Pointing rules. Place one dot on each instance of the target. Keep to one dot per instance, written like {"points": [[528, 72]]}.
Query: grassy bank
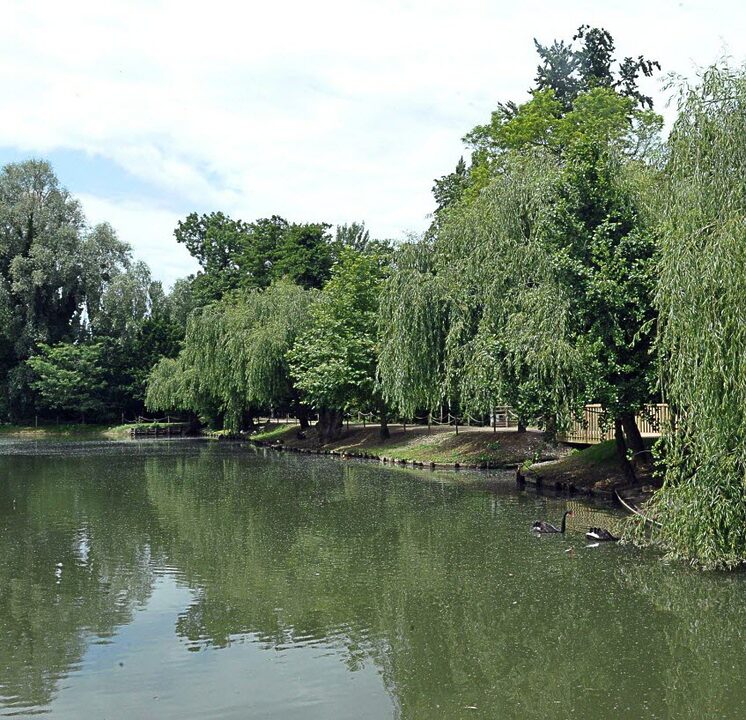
{"points": [[596, 468], [76, 430], [89, 431], [470, 447]]}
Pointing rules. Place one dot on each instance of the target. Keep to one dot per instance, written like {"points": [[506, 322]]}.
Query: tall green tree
{"points": [[54, 270], [412, 326], [233, 359], [236, 255], [305, 255], [541, 270], [701, 288], [69, 379], [575, 82], [334, 360]]}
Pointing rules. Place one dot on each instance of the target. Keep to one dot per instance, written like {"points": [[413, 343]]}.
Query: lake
{"points": [[189, 579]]}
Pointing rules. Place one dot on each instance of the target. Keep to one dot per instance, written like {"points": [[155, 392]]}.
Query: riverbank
{"points": [[442, 446], [542, 465], [594, 470], [83, 431]]}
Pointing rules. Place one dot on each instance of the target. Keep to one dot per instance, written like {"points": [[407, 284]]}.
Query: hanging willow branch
{"points": [[702, 338], [234, 355], [412, 327]]}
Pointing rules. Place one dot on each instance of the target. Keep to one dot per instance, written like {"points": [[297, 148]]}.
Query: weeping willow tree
{"points": [[412, 327], [475, 317], [170, 387], [508, 341], [233, 357], [537, 290], [702, 337]]}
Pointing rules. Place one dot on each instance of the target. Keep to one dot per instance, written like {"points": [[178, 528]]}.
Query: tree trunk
{"points": [[621, 451], [330, 424], [521, 425], [384, 433], [301, 412], [550, 427], [247, 420], [632, 433], [641, 455]]}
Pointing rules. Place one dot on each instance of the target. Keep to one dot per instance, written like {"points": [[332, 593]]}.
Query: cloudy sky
{"points": [[318, 111]]}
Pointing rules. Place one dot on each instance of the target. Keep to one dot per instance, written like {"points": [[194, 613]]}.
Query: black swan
{"points": [[541, 526], [600, 535]]}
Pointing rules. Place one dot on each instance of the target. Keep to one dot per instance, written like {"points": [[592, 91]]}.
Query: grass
{"points": [[277, 432], [471, 446], [64, 430], [77, 430], [596, 466]]}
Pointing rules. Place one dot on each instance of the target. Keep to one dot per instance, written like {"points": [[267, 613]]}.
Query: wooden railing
{"points": [[596, 426]]}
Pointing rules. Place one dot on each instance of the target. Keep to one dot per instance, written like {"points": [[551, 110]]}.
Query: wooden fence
{"points": [[596, 426]]}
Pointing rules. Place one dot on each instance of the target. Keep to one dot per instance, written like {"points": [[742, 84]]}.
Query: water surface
{"points": [[178, 579]]}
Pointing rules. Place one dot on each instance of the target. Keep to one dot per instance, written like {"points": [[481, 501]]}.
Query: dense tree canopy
{"points": [[536, 282], [62, 284], [234, 254], [233, 359], [700, 296], [334, 360]]}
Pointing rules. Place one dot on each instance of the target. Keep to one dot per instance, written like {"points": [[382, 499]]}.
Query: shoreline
{"points": [[540, 466], [593, 472]]}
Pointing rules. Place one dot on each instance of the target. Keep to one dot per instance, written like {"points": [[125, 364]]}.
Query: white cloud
{"points": [[144, 228], [332, 110]]}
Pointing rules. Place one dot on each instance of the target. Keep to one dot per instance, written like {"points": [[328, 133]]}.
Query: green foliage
{"points": [[598, 115], [233, 355], [334, 359], [60, 281], [603, 248], [508, 340], [537, 294], [305, 255], [69, 378], [125, 300], [170, 386], [701, 290], [181, 301], [355, 236], [578, 98], [570, 71], [449, 189], [542, 251], [235, 255], [412, 329], [41, 238]]}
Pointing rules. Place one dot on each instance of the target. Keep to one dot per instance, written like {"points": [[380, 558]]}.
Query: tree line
{"points": [[576, 256]]}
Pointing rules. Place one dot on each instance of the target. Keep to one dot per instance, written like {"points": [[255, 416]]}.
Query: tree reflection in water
{"points": [[437, 586]]}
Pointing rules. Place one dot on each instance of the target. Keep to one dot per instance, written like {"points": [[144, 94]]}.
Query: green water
{"points": [[193, 580]]}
